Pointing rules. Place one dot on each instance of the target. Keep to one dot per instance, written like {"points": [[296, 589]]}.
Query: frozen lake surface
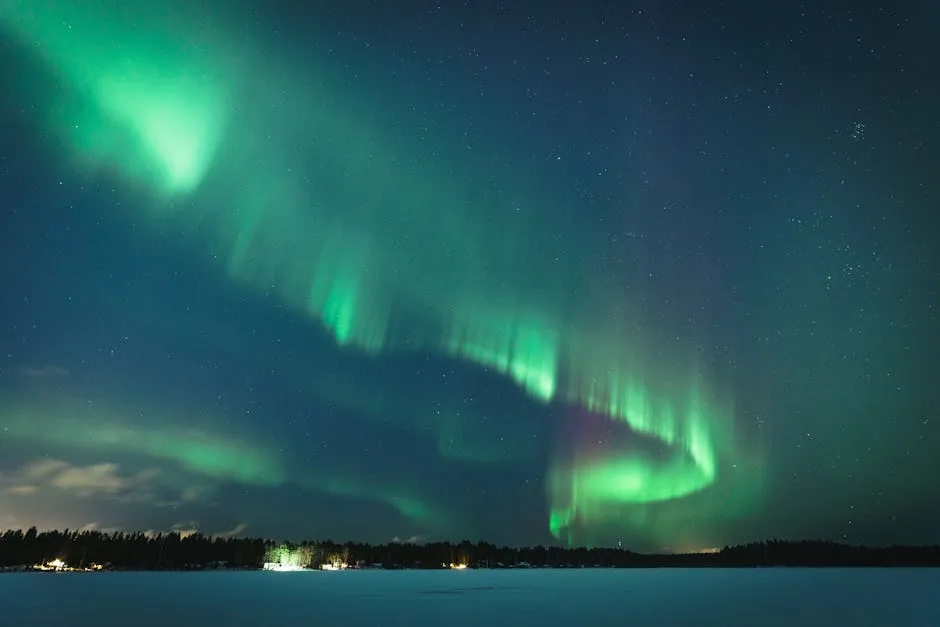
{"points": [[542, 598]]}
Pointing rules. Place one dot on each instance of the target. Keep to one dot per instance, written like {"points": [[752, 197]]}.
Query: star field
{"points": [[654, 274]]}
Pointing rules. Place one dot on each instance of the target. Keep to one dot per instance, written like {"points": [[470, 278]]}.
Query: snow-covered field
{"points": [[541, 598]]}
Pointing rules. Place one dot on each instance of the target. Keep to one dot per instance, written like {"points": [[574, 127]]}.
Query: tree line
{"points": [[173, 551]]}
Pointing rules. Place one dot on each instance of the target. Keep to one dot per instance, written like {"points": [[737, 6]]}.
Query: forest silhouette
{"points": [[25, 550]]}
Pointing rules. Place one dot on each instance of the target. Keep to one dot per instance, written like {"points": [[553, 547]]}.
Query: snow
{"points": [[542, 598]]}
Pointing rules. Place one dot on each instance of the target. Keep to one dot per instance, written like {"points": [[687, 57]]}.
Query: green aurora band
{"points": [[158, 121], [102, 429], [212, 455], [347, 216]]}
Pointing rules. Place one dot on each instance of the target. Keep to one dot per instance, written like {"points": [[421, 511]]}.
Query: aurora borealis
{"points": [[587, 276]]}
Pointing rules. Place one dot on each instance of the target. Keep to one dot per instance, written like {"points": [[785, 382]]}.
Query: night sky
{"points": [[582, 273]]}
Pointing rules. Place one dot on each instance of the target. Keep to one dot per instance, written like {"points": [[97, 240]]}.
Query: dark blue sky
{"points": [[533, 273]]}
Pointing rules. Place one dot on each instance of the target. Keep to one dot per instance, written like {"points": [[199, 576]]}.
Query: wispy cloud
{"points": [[234, 532], [94, 526], [22, 489], [185, 529], [89, 480], [190, 494], [82, 481], [44, 372]]}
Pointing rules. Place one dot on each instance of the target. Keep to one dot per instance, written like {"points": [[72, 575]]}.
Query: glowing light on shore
{"points": [[334, 566], [56, 565], [281, 568]]}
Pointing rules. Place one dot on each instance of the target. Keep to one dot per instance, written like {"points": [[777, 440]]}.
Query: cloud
{"points": [[82, 481], [234, 532], [190, 494], [24, 488], [43, 469], [44, 372], [88, 480], [186, 529], [94, 526]]}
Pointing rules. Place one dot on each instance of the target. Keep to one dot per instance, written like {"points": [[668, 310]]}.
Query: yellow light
{"points": [[458, 566], [281, 568], [333, 566]]}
